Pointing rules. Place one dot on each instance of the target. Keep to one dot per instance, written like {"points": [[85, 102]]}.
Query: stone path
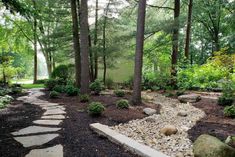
{"points": [[44, 129]]}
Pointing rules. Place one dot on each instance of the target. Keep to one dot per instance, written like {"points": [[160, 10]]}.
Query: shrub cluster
{"points": [[84, 98], [96, 87], [109, 83], [53, 94], [5, 100], [71, 90], [229, 111], [122, 104], [119, 93], [95, 108], [51, 83]]}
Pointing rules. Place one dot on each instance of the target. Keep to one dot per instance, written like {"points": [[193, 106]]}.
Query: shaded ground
{"points": [[215, 123], [79, 140]]}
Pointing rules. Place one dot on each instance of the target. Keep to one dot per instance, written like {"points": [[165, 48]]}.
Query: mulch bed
{"points": [[77, 137], [215, 123]]}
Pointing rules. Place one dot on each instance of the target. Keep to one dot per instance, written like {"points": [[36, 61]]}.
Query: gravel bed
{"points": [[147, 130]]}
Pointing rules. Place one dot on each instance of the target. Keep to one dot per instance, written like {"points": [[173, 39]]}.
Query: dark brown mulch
{"points": [[79, 141], [215, 123], [17, 116]]}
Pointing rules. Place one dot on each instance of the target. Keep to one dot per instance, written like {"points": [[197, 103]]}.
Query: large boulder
{"points": [[169, 130], [189, 98], [209, 146], [149, 111]]}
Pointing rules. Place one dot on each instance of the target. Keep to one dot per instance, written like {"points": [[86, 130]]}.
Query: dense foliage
{"points": [[95, 108]]}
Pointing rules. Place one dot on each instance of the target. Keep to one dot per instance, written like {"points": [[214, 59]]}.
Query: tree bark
{"points": [[175, 43], [85, 79], [136, 97], [95, 41], [76, 43], [91, 57], [35, 45], [188, 30]]}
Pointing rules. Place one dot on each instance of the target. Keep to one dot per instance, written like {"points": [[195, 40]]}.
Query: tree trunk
{"points": [[76, 45], [35, 45], [136, 98], [91, 57], [85, 79], [175, 43], [188, 30], [95, 41]]}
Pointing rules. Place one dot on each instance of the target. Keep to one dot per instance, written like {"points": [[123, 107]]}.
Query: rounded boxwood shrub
{"points": [[109, 83], [59, 88], [225, 101], [53, 94], [96, 87], [119, 93], [95, 108], [71, 90], [84, 98], [122, 104], [229, 111]]}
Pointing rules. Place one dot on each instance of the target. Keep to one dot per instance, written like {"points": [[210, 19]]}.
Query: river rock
{"points": [[149, 111], [230, 141], [182, 114], [191, 98], [169, 130], [209, 146]]}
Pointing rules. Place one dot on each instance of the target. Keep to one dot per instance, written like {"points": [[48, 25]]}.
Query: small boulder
{"points": [[182, 114], [149, 111], [191, 98], [230, 141], [209, 146], [169, 130]]}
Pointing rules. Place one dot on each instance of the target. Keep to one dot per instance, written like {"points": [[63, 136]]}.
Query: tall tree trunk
{"points": [[136, 98], [188, 30], [95, 40], [85, 79], [175, 43], [76, 45], [91, 57], [35, 45]]}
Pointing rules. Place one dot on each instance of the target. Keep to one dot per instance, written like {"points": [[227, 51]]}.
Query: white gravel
{"points": [[146, 130]]}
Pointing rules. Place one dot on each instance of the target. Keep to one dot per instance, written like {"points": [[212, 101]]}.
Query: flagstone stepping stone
{"points": [[53, 117], [54, 111], [37, 140], [46, 104], [34, 129], [55, 151], [53, 107], [47, 122]]}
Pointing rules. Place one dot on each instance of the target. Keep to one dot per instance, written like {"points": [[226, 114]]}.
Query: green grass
{"points": [[29, 86]]}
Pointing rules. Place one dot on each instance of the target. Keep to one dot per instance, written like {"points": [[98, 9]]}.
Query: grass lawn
{"points": [[29, 86]]}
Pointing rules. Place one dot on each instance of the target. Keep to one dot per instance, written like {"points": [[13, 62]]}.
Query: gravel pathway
{"points": [[147, 130], [45, 129]]}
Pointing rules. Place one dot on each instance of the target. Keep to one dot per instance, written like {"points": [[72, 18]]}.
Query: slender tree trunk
{"points": [[35, 45], [136, 98], [175, 43], [91, 58], [76, 45], [95, 40], [85, 79], [188, 30]]}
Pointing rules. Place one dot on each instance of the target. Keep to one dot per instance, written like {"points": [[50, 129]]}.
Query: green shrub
{"points": [[129, 82], [152, 80], [16, 90], [109, 83], [122, 104], [53, 94], [51, 83], [180, 92], [119, 93], [84, 98], [71, 90], [5, 100], [43, 81], [229, 111], [96, 87], [60, 71], [4, 91], [95, 108], [59, 88], [225, 101]]}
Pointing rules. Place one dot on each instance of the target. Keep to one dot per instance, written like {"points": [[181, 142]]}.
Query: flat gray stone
{"points": [[149, 111], [55, 151], [35, 140], [125, 141], [47, 122], [53, 107], [191, 98], [53, 117], [34, 129], [54, 111]]}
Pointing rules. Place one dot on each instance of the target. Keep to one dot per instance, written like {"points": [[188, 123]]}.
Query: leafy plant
{"points": [[95, 108], [96, 87], [16, 90], [53, 94], [109, 83], [61, 72], [119, 93], [59, 88], [225, 101], [84, 98], [227, 97], [229, 111], [51, 83], [122, 104], [71, 90]]}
